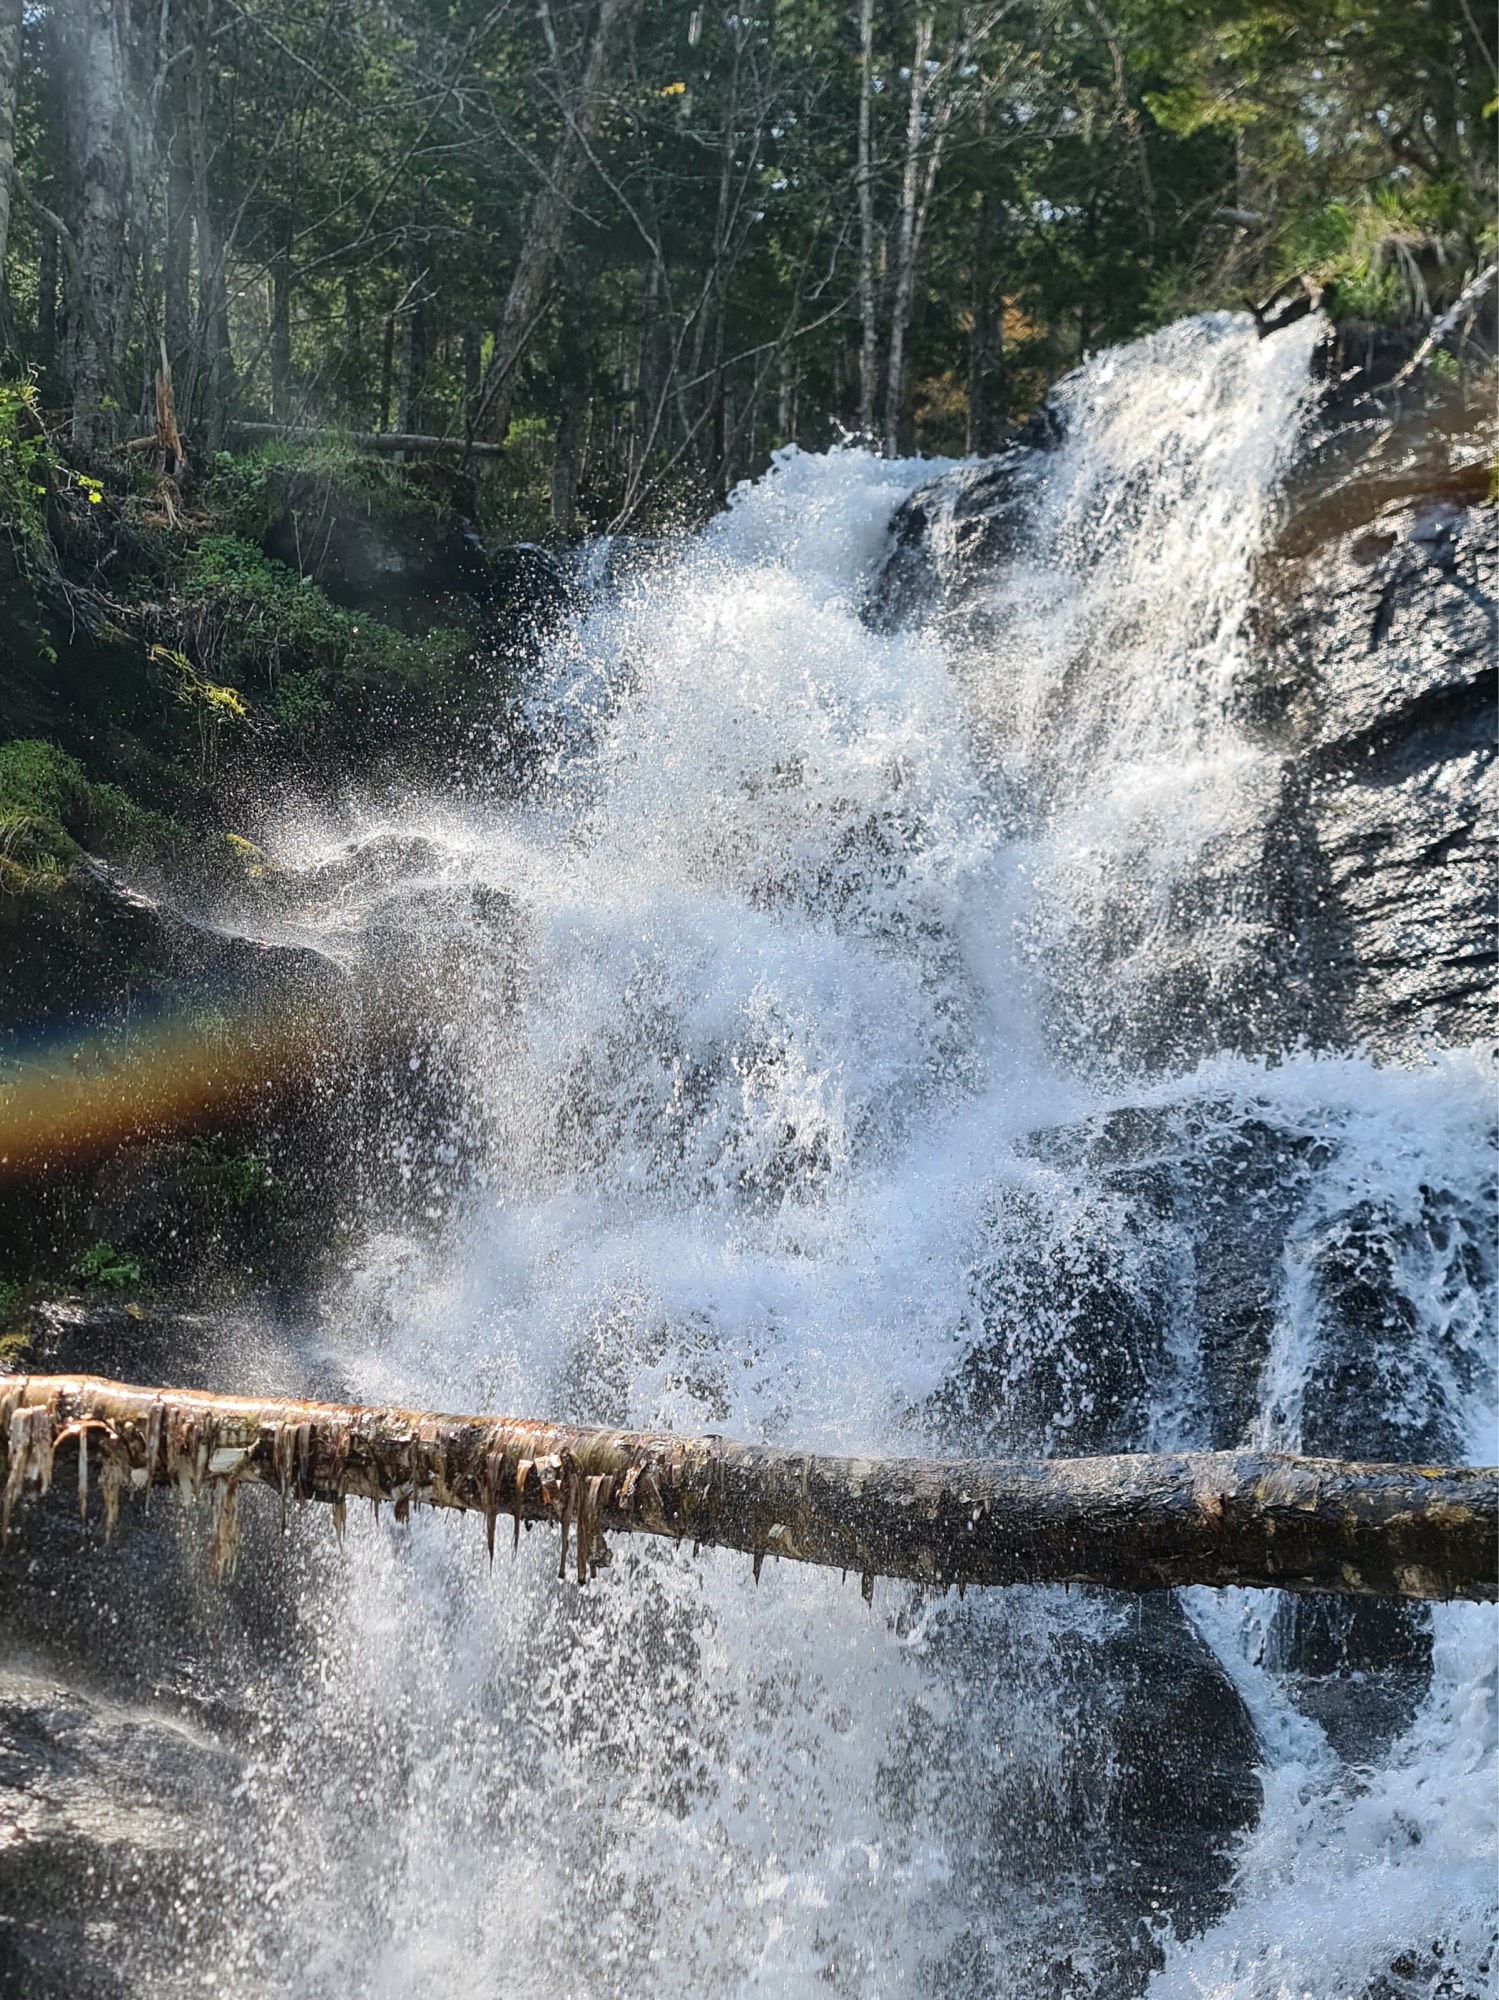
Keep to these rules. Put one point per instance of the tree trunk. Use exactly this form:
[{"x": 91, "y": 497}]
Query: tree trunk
[
  {"x": 411, "y": 362},
  {"x": 395, "y": 442},
  {"x": 1127, "y": 1523},
  {"x": 101, "y": 234},
  {"x": 548, "y": 219},
  {"x": 905, "y": 254},
  {"x": 387, "y": 370},
  {"x": 177, "y": 264},
  {"x": 10, "y": 70},
  {"x": 575, "y": 403},
  {"x": 868, "y": 348},
  {"x": 46, "y": 301},
  {"x": 644, "y": 414},
  {"x": 213, "y": 377},
  {"x": 986, "y": 319},
  {"x": 280, "y": 341},
  {"x": 351, "y": 371}
]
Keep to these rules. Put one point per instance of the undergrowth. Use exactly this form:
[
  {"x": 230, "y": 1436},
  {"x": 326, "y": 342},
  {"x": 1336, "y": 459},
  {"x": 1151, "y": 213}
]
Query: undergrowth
[
  {"x": 259, "y": 623},
  {"x": 50, "y": 810},
  {"x": 1395, "y": 255},
  {"x": 247, "y": 492}
]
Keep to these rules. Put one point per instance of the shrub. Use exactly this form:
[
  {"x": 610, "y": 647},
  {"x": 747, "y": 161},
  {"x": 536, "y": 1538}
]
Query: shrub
[
  {"x": 241, "y": 1178},
  {"x": 103, "y": 1268},
  {"x": 249, "y": 491}
]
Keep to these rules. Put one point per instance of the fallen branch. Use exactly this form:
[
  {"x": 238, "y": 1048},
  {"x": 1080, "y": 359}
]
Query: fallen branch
[
  {"x": 1466, "y": 298},
  {"x": 1128, "y": 1523},
  {"x": 417, "y": 441}
]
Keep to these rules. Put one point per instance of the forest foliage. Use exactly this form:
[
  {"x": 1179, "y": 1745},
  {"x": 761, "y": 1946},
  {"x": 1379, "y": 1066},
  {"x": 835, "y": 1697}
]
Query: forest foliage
[{"x": 639, "y": 244}]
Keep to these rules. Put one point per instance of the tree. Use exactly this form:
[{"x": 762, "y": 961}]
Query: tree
[{"x": 653, "y": 240}]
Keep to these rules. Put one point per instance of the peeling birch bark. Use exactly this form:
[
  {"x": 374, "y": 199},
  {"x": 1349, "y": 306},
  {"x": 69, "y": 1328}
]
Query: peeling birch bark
[{"x": 1135, "y": 1523}]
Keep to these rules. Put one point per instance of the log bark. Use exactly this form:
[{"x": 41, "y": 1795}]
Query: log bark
[
  {"x": 391, "y": 441},
  {"x": 1134, "y": 1523}
]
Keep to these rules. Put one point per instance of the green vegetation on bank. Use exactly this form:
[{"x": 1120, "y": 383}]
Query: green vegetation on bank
[
  {"x": 271, "y": 628},
  {"x": 50, "y": 811},
  {"x": 165, "y": 644}
]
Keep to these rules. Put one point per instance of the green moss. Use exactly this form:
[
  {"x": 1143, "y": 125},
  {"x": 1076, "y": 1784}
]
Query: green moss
[
  {"x": 15, "y": 1334},
  {"x": 271, "y": 625},
  {"x": 249, "y": 491},
  {"x": 50, "y": 810},
  {"x": 25, "y": 466},
  {"x": 240, "y": 1178}
]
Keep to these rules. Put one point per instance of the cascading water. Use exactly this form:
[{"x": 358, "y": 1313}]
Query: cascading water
[{"x": 815, "y": 1037}]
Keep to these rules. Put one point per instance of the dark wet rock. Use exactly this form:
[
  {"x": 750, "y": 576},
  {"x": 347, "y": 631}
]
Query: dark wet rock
[
  {"x": 235, "y": 1045},
  {"x": 1070, "y": 1348},
  {"x": 536, "y": 582},
  {"x": 98, "y": 944},
  {"x": 1357, "y": 877},
  {"x": 1151, "y": 1273},
  {"x": 99, "y": 1810},
  {"x": 131, "y": 1685},
  {"x": 613, "y": 560},
  {"x": 411, "y": 566},
  {"x": 1377, "y": 669},
  {"x": 949, "y": 537},
  {"x": 135, "y": 1340},
  {"x": 1147, "y": 1775},
  {"x": 1391, "y": 1377},
  {"x": 1147, "y": 1273}
]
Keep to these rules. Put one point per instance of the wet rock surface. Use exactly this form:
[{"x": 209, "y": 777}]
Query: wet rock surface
[
  {"x": 1362, "y": 866},
  {"x": 1381, "y": 662},
  {"x": 100, "y": 1806},
  {"x": 134, "y": 1688}
]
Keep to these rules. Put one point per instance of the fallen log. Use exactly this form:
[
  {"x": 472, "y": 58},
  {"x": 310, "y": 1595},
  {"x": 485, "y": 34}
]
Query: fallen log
[
  {"x": 1142, "y": 1522},
  {"x": 414, "y": 441}
]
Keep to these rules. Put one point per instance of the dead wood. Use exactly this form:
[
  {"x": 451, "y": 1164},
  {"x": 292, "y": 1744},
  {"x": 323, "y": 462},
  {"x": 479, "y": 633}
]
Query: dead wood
[{"x": 1141, "y": 1522}]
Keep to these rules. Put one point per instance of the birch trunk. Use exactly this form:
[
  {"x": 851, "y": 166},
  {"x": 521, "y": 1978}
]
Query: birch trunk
[
  {"x": 10, "y": 70},
  {"x": 102, "y": 221},
  {"x": 176, "y": 265},
  {"x": 212, "y": 376},
  {"x": 548, "y": 220},
  {"x": 869, "y": 348},
  {"x": 1126, "y": 1523},
  {"x": 905, "y": 252}
]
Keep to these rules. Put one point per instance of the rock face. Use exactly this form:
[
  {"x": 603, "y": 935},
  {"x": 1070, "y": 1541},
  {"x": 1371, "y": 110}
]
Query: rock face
[
  {"x": 1377, "y": 671},
  {"x": 107, "y": 1797},
  {"x": 1364, "y": 866}
]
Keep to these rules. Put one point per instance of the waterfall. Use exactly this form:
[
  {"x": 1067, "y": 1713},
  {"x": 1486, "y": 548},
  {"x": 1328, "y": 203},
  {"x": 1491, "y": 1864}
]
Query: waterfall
[{"x": 818, "y": 1030}]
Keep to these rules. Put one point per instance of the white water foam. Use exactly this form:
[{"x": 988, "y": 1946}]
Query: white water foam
[{"x": 802, "y": 936}]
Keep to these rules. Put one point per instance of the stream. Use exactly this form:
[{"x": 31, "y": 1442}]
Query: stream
[{"x": 863, "y": 1026}]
